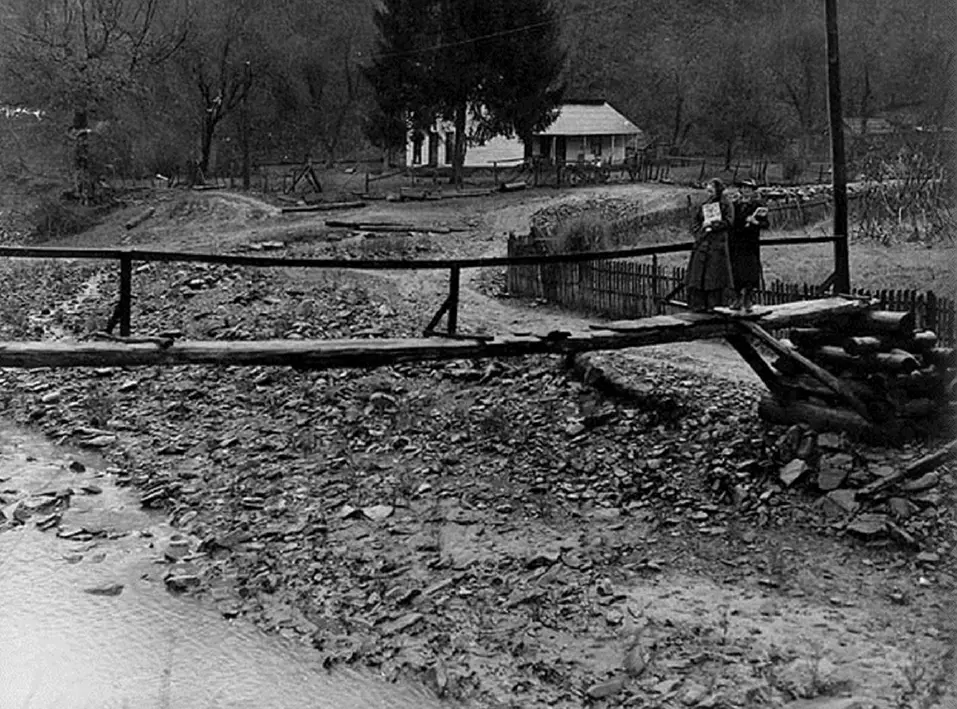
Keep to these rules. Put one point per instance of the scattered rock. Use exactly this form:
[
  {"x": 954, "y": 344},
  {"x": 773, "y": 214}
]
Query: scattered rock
[
  {"x": 603, "y": 690},
  {"x": 925, "y": 482},
  {"x": 377, "y": 513},
  {"x": 830, "y": 441},
  {"x": 833, "y": 470},
  {"x": 901, "y": 508},
  {"x": 844, "y": 499},
  {"x": 793, "y": 471},
  {"x": 692, "y": 693},
  {"x": 113, "y": 589},
  {"x": 869, "y": 525},
  {"x": 180, "y": 583}
]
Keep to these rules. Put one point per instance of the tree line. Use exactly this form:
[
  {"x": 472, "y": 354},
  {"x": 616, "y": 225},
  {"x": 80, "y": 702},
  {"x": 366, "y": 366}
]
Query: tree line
[{"x": 152, "y": 85}]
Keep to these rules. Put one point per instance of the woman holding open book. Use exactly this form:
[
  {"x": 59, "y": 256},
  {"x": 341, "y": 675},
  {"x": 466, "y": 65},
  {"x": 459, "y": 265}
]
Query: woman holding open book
[{"x": 708, "y": 280}]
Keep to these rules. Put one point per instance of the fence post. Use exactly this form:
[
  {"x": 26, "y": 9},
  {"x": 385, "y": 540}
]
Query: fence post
[
  {"x": 453, "y": 314},
  {"x": 655, "y": 305},
  {"x": 126, "y": 283}
]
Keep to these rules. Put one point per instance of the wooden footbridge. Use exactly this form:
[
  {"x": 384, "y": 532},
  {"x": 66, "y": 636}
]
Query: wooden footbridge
[{"x": 820, "y": 378}]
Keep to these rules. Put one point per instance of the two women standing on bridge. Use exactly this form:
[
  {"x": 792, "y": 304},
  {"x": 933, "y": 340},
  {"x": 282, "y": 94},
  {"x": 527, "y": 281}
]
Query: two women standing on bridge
[
  {"x": 726, "y": 258},
  {"x": 708, "y": 280}
]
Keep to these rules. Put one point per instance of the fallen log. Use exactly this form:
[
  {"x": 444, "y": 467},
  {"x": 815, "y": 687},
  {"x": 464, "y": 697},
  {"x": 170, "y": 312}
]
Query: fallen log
[
  {"x": 915, "y": 469},
  {"x": 944, "y": 357},
  {"x": 343, "y": 224},
  {"x": 812, "y": 337},
  {"x": 893, "y": 362},
  {"x": 865, "y": 344},
  {"x": 921, "y": 341},
  {"x": 323, "y": 207},
  {"x": 512, "y": 186},
  {"x": 889, "y": 322},
  {"x": 928, "y": 381},
  {"x": 822, "y": 418},
  {"x": 136, "y": 221},
  {"x": 813, "y": 369}
]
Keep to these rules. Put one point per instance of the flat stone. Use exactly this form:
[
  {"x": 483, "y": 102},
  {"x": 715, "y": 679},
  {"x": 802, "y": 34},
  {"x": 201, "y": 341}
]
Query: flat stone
[
  {"x": 845, "y": 499},
  {"x": 791, "y": 472},
  {"x": 830, "y": 441},
  {"x": 901, "y": 508},
  {"x": 833, "y": 470},
  {"x": 869, "y": 525},
  {"x": 182, "y": 582},
  {"x": 603, "y": 690},
  {"x": 882, "y": 471},
  {"x": 378, "y": 512},
  {"x": 924, "y": 482}
]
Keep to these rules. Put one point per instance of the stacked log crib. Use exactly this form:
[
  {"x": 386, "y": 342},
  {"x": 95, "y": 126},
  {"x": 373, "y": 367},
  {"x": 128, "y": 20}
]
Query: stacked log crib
[{"x": 894, "y": 382}]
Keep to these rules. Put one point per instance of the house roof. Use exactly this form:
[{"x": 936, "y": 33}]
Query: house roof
[{"x": 590, "y": 118}]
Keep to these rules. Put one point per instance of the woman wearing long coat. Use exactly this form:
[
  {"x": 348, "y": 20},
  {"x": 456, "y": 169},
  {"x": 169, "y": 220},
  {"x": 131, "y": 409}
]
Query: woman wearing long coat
[
  {"x": 708, "y": 279},
  {"x": 750, "y": 216}
]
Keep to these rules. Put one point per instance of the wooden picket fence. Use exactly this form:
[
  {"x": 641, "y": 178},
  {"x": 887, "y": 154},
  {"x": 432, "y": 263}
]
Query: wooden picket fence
[{"x": 627, "y": 289}]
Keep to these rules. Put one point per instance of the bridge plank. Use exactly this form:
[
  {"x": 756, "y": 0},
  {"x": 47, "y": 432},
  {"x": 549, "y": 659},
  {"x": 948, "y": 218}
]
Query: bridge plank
[{"x": 324, "y": 354}]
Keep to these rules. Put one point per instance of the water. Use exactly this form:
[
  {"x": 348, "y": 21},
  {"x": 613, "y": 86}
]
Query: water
[{"x": 66, "y": 648}]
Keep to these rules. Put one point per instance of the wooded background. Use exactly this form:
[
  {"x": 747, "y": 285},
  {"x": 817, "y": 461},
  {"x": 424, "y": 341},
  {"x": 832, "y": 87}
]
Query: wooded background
[{"x": 172, "y": 83}]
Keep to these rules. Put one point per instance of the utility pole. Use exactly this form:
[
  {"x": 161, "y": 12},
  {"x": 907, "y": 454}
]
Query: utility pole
[
  {"x": 244, "y": 126},
  {"x": 842, "y": 274}
]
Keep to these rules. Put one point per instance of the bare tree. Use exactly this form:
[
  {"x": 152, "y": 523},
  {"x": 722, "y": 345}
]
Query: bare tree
[{"x": 85, "y": 57}]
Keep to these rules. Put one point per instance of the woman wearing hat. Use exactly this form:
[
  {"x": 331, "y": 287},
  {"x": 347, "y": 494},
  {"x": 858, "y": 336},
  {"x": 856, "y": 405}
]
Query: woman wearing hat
[
  {"x": 750, "y": 216},
  {"x": 708, "y": 279}
]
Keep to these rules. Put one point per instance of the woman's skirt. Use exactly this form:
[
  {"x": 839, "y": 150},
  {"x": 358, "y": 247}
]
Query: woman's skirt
[{"x": 708, "y": 279}]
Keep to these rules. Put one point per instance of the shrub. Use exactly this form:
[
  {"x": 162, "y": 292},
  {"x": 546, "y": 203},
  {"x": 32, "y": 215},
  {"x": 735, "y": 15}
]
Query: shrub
[
  {"x": 583, "y": 233},
  {"x": 54, "y": 217}
]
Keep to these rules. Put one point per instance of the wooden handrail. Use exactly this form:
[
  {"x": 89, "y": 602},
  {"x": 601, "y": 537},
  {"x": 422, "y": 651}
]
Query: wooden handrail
[
  {"x": 147, "y": 255},
  {"x": 449, "y": 308}
]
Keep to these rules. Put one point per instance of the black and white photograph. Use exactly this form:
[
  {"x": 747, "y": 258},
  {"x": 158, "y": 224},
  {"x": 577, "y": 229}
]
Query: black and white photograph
[{"x": 478, "y": 354}]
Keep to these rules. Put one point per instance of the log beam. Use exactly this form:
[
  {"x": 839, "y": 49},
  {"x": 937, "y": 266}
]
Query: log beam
[{"x": 819, "y": 373}]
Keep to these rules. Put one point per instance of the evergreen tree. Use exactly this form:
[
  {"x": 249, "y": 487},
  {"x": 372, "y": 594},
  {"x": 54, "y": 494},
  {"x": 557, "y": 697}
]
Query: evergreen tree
[{"x": 491, "y": 67}]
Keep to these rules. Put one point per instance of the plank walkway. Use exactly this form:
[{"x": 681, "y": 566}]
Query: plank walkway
[{"x": 359, "y": 353}]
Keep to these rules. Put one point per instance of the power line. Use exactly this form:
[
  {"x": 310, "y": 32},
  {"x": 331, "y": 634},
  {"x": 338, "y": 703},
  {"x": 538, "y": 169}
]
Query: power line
[{"x": 502, "y": 33}]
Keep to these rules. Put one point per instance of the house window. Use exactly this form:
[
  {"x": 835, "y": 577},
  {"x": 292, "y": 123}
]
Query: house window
[
  {"x": 417, "y": 148},
  {"x": 594, "y": 145},
  {"x": 449, "y": 147}
]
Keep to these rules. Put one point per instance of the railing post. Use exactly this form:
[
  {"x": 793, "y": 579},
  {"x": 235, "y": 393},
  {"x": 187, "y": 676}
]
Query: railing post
[
  {"x": 453, "y": 312},
  {"x": 126, "y": 283}
]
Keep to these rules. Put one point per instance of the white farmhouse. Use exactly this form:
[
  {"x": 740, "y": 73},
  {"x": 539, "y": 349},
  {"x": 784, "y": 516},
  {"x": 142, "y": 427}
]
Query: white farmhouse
[{"x": 583, "y": 131}]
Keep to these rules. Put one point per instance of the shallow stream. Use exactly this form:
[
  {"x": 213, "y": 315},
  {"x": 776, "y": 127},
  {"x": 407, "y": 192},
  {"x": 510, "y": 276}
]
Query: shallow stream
[{"x": 87, "y": 623}]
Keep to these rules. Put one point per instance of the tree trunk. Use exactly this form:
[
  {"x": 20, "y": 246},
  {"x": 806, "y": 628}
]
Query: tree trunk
[
  {"x": 458, "y": 159},
  {"x": 81, "y": 156},
  {"x": 206, "y": 146}
]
